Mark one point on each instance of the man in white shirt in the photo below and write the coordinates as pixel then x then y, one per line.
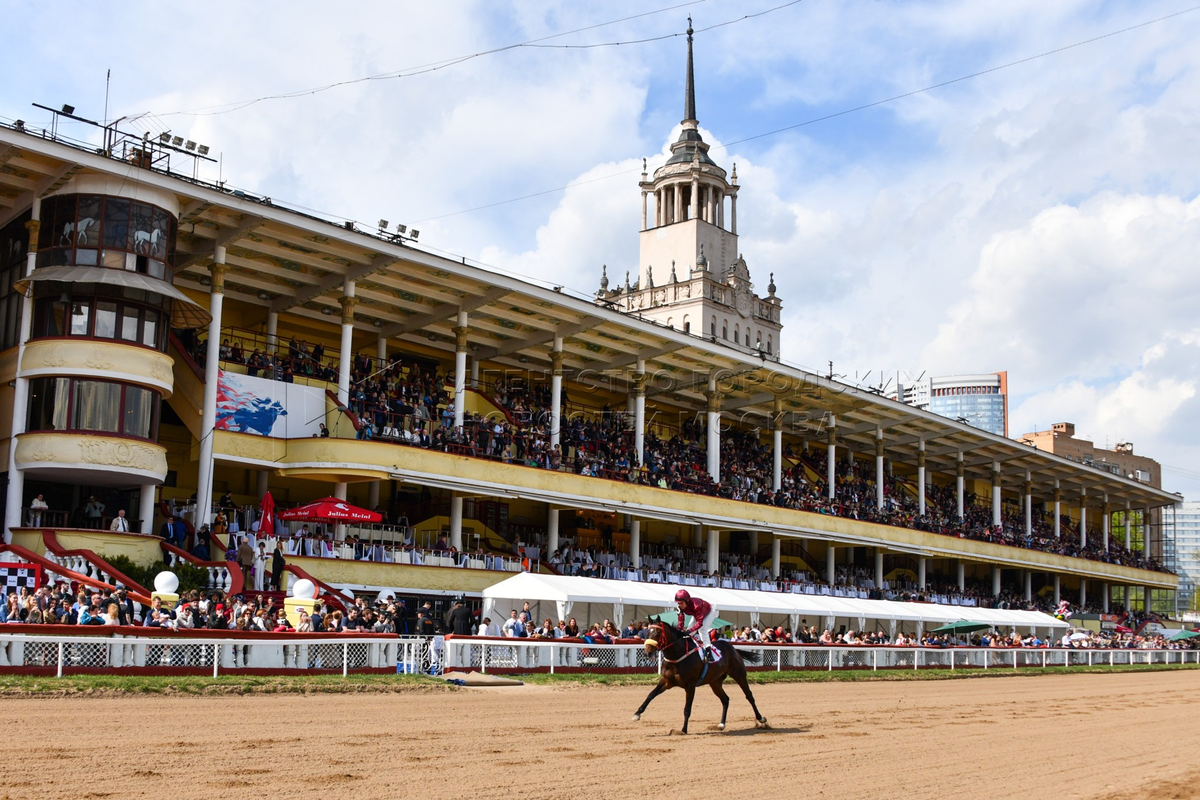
pixel 35 511
pixel 119 523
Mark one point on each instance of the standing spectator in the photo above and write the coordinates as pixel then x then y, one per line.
pixel 260 566
pixel 119 523
pixel 36 507
pixel 514 627
pixel 93 512
pixel 277 565
pixel 460 619
pixel 245 560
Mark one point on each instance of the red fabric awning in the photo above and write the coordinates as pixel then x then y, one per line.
pixel 329 509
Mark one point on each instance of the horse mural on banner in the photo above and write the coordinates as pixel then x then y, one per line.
pixel 683 666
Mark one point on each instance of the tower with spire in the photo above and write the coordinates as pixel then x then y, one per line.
pixel 689 231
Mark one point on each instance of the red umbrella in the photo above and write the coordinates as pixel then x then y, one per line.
pixel 266 519
pixel 329 509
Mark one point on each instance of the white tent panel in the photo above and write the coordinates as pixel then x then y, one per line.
pixel 595 599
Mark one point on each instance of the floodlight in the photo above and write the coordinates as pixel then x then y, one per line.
pixel 177 141
pixel 66 109
pixel 165 138
pixel 202 149
pixel 190 145
pixel 327 311
pixel 383 223
pixel 415 233
pixel 401 228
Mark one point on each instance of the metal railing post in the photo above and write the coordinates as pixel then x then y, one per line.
pixel 345 659
pixel 874 660
pixel 779 659
pixel 61 650
pixel 986 658
pixel 483 657
pixel 216 658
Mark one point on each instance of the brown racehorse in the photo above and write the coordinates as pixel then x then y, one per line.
pixel 683 666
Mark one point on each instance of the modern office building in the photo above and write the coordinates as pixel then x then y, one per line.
pixel 171 341
pixel 977 400
pixel 1187 552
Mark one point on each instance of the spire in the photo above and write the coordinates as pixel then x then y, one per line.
pixel 689 101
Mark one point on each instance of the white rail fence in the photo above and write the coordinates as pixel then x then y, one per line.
pixel 82 654
pixel 528 654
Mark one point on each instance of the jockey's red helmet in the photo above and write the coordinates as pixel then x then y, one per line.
pixel 683 595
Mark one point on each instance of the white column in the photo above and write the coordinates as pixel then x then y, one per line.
pixel 347 358
pixel 15 495
pixel 753 544
pixel 381 357
pixel 1082 592
pixel 733 214
pixel 1107 515
pixel 879 468
pixel 1083 518
pixel 460 369
pixel 1057 510
pixel 146 508
pixel 1028 503
pixel 262 482
pixel 1145 531
pixel 714 543
pixel 272 332
pixel 830 565
pixel 635 543
pixel 878 568
pixel 961 484
pixel 639 411
pixel 556 376
pixel 776 570
pixel 551 531
pixel 339 491
pixel 697 535
pixel 208 413
pixel 1028 586
pixel 777 446
pixel 962 576
pixel 831 460
pixel 921 478
pixel 1105 596
pixel 714 430
pixel 456 519
pixel 474 373
pixel 995 581
pixel 996 493
pixel 373 495
pixel 1057 590
pixel 922 569
pixel 644 204
pixel 694 213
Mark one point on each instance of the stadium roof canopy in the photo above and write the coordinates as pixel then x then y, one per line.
pixel 596 599
pixel 292 262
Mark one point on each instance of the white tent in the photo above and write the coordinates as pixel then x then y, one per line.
pixel 591 600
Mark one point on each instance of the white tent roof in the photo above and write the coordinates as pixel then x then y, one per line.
pixel 567 591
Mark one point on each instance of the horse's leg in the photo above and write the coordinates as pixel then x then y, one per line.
pixel 655 692
pixel 739 675
pixel 719 691
pixel 687 706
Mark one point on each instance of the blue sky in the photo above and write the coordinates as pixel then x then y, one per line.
pixel 1041 219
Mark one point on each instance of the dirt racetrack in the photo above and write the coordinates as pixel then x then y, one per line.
pixel 1072 736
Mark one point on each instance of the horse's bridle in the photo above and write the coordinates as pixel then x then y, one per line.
pixel 686 640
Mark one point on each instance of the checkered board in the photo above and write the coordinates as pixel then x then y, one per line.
pixel 14 576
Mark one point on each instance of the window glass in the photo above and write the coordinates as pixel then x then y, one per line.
pixel 80 313
pixel 116 223
pixel 142 222
pixel 97 406
pixel 150 329
pixel 160 234
pixel 113 259
pixel 139 411
pixel 64 221
pixel 129 324
pixel 86 256
pixel 48 404
pixel 87 226
pixel 106 320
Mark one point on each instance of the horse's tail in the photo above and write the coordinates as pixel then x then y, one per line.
pixel 749 656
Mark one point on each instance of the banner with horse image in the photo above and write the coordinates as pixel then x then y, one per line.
pixel 268 408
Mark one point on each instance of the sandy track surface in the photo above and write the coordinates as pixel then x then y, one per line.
pixel 1075 736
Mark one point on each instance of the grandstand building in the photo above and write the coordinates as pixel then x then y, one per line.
pixel 168 341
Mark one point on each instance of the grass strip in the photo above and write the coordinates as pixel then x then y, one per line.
pixel 117 685
pixel 114 685
pixel 846 676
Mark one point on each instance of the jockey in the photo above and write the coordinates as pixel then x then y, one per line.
pixel 702 615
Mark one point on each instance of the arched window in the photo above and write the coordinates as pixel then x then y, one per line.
pixel 747 337
pixel 768 343
pixel 725 329
pixel 670 322
pixel 687 324
pixel 713 328
pixel 737 333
